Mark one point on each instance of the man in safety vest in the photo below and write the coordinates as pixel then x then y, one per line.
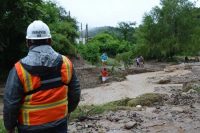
pixel 42 88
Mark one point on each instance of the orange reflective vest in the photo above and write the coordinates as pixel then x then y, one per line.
pixel 48 104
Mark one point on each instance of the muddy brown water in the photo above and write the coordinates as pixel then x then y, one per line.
pixel 134 86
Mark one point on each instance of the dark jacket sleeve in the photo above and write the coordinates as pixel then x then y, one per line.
pixel 74 93
pixel 13 93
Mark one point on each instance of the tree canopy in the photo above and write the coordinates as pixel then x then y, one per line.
pixel 170 29
pixel 173 28
pixel 16 15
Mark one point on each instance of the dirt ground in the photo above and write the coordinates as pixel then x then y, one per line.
pixel 179 113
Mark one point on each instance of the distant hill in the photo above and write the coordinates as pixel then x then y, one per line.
pixel 94 31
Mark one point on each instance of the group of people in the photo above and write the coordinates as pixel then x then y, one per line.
pixel 104 73
pixel 139 61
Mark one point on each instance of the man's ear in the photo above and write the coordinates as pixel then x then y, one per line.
pixel 27 42
pixel 49 41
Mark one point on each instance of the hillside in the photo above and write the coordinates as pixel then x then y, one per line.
pixel 94 31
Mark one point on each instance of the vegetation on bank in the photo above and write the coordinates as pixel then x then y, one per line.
pixel 149 99
pixel 191 86
pixel 171 29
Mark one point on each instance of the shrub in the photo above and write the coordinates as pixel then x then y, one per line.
pixel 147 99
pixel 126 58
pixel 90 53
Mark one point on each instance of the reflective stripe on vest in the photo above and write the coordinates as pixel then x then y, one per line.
pixel 67 67
pixel 45 105
pixel 29 82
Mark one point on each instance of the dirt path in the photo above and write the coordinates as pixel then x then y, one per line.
pixel 134 86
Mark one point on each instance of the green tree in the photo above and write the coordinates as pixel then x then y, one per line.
pixel 167 30
pixel 14 18
pixel 64 36
pixel 16 15
pixel 63 27
pixel 126 30
pixel 106 43
pixel 90 52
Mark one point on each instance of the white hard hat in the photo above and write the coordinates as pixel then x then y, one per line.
pixel 38 30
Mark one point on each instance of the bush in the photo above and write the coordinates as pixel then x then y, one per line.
pixel 112 62
pixel 90 52
pixel 126 58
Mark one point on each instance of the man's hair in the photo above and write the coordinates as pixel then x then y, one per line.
pixel 39 42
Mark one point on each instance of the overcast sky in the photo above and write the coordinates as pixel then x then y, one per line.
pixel 108 12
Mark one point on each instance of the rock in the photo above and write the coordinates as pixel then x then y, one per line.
pixel 157 107
pixel 113 118
pixel 168 70
pixel 138 106
pixel 79 127
pixel 134 114
pixel 164 81
pixel 177 109
pixel 156 111
pixel 130 125
pixel 191 91
pixel 72 131
pixel 183 94
pixel 138 119
pixel 125 120
pixel 86 126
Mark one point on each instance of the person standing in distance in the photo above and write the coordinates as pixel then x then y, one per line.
pixel 104 75
pixel 42 88
pixel 104 59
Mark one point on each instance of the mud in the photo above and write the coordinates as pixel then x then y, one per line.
pixel 134 86
pixel 165 119
pixel 179 113
pixel 90 76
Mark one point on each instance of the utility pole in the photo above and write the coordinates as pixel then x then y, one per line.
pixel 86 34
pixel 81 35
